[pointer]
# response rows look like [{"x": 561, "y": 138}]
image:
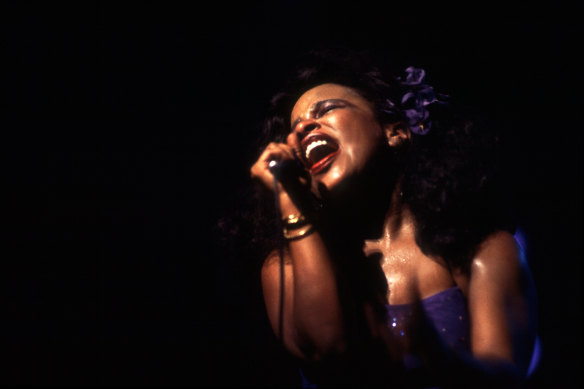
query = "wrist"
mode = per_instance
[
  {"x": 296, "y": 223},
  {"x": 287, "y": 206}
]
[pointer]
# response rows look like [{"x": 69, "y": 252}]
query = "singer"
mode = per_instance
[{"x": 400, "y": 262}]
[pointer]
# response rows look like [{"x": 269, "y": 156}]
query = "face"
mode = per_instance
[{"x": 338, "y": 133}]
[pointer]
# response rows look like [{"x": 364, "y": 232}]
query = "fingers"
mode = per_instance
[
  {"x": 279, "y": 152},
  {"x": 274, "y": 151},
  {"x": 294, "y": 142}
]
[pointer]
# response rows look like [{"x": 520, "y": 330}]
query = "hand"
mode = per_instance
[
  {"x": 274, "y": 151},
  {"x": 294, "y": 187}
]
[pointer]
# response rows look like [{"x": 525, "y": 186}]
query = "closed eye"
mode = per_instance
[
  {"x": 322, "y": 108},
  {"x": 326, "y": 106}
]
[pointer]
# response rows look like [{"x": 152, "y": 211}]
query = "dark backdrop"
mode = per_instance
[{"x": 127, "y": 132}]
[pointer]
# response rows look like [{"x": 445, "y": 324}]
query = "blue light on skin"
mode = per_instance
[{"x": 521, "y": 239}]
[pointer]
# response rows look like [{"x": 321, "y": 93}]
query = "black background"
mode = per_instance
[{"x": 127, "y": 132}]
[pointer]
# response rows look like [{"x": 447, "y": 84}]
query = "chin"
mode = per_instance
[
  {"x": 330, "y": 179},
  {"x": 337, "y": 190}
]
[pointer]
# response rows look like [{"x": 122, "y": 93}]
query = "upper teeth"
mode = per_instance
[{"x": 313, "y": 145}]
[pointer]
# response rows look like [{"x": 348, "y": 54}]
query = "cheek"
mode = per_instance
[{"x": 362, "y": 143}]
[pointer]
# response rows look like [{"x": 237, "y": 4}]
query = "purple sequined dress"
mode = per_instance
[{"x": 445, "y": 311}]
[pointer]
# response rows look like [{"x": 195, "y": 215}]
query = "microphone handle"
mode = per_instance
[{"x": 288, "y": 173}]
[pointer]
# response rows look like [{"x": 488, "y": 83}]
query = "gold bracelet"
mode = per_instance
[
  {"x": 294, "y": 221},
  {"x": 300, "y": 234}
]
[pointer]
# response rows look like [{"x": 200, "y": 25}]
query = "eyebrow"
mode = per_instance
[{"x": 317, "y": 107}]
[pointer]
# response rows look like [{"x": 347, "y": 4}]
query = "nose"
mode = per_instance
[{"x": 305, "y": 126}]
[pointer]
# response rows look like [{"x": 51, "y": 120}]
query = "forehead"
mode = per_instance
[{"x": 325, "y": 92}]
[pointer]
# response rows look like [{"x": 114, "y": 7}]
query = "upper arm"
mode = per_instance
[
  {"x": 271, "y": 284},
  {"x": 271, "y": 287},
  {"x": 500, "y": 302}
]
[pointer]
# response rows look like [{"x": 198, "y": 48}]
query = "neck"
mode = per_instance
[
  {"x": 377, "y": 213},
  {"x": 398, "y": 219},
  {"x": 368, "y": 204}
]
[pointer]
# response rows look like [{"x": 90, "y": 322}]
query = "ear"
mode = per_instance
[{"x": 397, "y": 133}]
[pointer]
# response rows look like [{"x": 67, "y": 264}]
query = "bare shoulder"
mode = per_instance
[
  {"x": 499, "y": 260},
  {"x": 500, "y": 244},
  {"x": 499, "y": 252},
  {"x": 502, "y": 301}
]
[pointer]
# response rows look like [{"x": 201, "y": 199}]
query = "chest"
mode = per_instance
[{"x": 409, "y": 273}]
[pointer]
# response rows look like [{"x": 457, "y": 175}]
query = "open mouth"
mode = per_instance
[{"x": 319, "y": 152}]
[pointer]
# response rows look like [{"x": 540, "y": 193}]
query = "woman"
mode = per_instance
[{"x": 399, "y": 261}]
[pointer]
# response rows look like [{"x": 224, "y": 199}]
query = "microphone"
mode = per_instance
[
  {"x": 288, "y": 173},
  {"x": 285, "y": 170},
  {"x": 274, "y": 166}
]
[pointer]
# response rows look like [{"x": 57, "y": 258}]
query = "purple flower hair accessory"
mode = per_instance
[{"x": 416, "y": 100}]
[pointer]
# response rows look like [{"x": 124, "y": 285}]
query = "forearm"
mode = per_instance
[
  {"x": 317, "y": 309},
  {"x": 317, "y": 314}
]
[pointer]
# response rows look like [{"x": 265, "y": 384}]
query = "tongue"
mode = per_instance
[{"x": 320, "y": 152}]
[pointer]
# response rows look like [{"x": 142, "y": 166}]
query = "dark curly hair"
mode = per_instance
[
  {"x": 452, "y": 178},
  {"x": 455, "y": 188}
]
